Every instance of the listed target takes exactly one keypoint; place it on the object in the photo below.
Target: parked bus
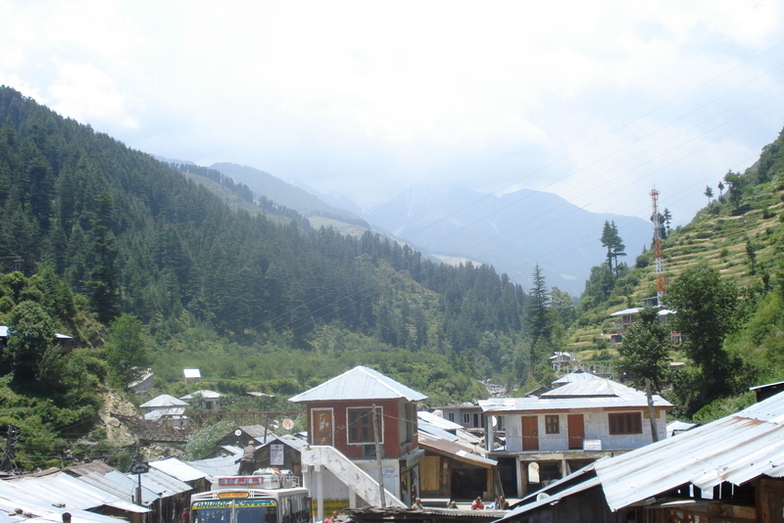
(268, 497)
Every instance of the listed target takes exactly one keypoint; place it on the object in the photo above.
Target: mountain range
(513, 232)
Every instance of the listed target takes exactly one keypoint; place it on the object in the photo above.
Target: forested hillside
(236, 294)
(725, 280)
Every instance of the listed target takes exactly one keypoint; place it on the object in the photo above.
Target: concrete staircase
(356, 479)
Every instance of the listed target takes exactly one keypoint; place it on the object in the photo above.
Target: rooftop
(359, 383)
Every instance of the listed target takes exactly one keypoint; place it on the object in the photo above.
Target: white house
(206, 399)
(568, 427)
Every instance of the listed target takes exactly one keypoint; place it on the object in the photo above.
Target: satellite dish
(287, 424)
(238, 433)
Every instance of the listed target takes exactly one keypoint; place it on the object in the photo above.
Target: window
(452, 417)
(466, 418)
(626, 423)
(551, 424)
(360, 424)
(410, 422)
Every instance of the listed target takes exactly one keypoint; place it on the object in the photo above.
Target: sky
(598, 102)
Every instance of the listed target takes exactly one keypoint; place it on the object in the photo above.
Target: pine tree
(105, 276)
(611, 239)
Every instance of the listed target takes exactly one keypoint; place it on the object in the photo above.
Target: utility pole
(651, 410)
(381, 492)
(8, 463)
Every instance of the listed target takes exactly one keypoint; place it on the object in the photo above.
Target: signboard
(592, 444)
(237, 481)
(140, 468)
(276, 455)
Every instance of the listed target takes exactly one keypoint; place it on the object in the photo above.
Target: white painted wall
(596, 427)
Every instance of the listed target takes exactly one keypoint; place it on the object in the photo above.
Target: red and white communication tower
(657, 248)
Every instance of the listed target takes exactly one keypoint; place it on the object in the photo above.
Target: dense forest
(96, 238)
(145, 266)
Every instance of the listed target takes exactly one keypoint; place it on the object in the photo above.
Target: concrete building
(343, 437)
(564, 429)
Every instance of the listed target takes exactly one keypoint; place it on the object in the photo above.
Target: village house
(204, 399)
(562, 361)
(65, 342)
(729, 470)
(343, 432)
(626, 317)
(583, 418)
(468, 415)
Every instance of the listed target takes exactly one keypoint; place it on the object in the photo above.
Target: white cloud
(362, 97)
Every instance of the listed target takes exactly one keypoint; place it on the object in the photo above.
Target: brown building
(340, 415)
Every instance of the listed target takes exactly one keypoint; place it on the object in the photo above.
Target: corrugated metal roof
(359, 383)
(98, 467)
(288, 440)
(203, 394)
(162, 483)
(59, 336)
(80, 516)
(532, 404)
(636, 310)
(178, 469)
(155, 415)
(737, 449)
(577, 375)
(120, 485)
(436, 431)
(254, 431)
(438, 421)
(222, 466)
(164, 400)
(590, 388)
(549, 499)
(455, 450)
(61, 488)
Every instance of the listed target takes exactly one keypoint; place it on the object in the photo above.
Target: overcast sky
(595, 101)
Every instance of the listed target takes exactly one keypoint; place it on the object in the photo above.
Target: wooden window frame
(624, 423)
(360, 425)
(552, 424)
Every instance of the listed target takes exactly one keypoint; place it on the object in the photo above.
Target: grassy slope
(720, 238)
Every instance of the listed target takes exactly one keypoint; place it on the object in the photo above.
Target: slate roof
(359, 383)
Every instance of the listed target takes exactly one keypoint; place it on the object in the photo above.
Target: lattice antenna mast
(657, 248)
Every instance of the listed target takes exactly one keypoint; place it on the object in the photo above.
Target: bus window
(256, 512)
(211, 515)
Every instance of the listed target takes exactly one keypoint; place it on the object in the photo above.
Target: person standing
(248, 460)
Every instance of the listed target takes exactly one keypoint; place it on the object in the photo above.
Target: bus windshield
(240, 511)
